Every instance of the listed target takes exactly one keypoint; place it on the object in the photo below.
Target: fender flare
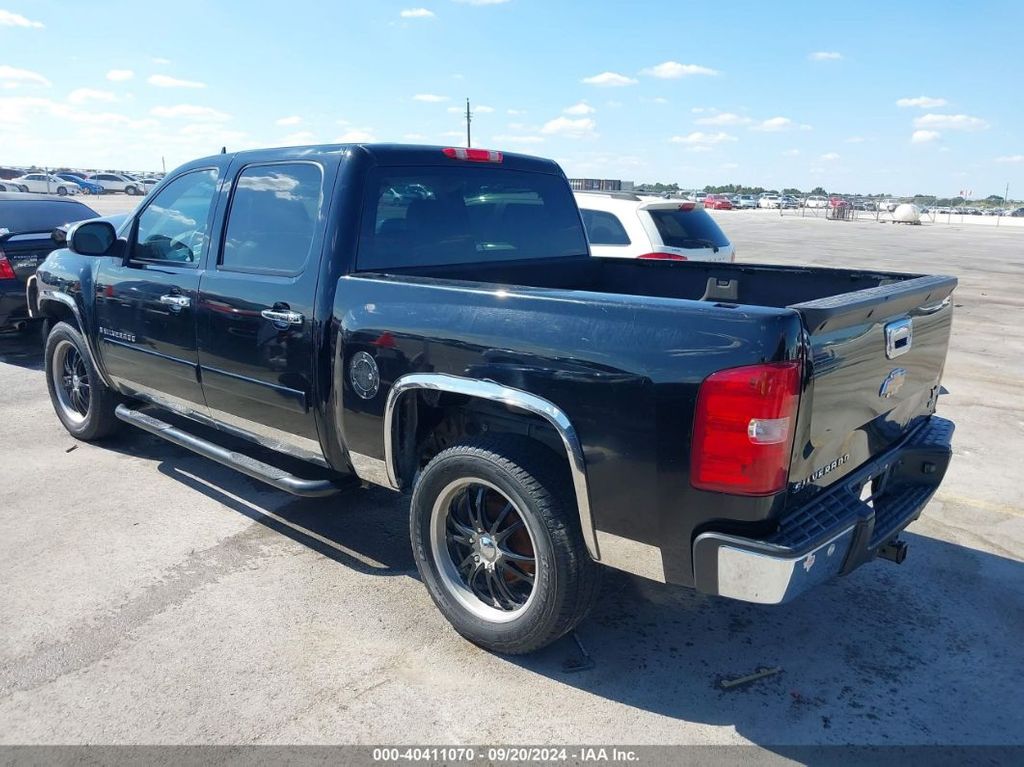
(61, 297)
(512, 397)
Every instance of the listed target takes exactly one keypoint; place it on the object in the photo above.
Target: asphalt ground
(150, 596)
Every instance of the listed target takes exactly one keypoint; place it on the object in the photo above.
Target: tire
(131, 190)
(62, 191)
(82, 401)
(527, 509)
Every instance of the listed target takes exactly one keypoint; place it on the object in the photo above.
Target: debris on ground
(761, 673)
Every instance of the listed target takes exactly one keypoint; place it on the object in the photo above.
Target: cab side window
(273, 218)
(175, 226)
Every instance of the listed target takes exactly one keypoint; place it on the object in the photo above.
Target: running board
(272, 475)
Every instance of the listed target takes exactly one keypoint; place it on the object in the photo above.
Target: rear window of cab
(435, 216)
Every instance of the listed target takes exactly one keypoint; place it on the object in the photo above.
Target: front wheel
(82, 401)
(62, 191)
(497, 542)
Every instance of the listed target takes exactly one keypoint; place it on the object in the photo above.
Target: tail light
(6, 270)
(473, 155)
(743, 431)
(663, 257)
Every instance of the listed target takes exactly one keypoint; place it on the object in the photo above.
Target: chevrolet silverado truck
(430, 320)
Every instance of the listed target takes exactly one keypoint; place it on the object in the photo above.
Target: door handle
(175, 301)
(282, 318)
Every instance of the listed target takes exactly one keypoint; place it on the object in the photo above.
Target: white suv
(622, 225)
(115, 182)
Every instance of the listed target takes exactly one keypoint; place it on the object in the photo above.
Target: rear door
(877, 358)
(146, 304)
(256, 302)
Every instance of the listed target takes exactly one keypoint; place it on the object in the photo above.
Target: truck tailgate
(876, 359)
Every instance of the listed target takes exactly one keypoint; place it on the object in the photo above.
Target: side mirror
(92, 238)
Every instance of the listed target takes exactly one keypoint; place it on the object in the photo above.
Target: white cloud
(1011, 158)
(775, 124)
(190, 112)
(925, 102)
(414, 137)
(12, 77)
(950, 122)
(160, 61)
(506, 139)
(515, 112)
(791, 153)
(297, 139)
(614, 104)
(730, 165)
(165, 81)
(430, 98)
(723, 118)
(9, 19)
(856, 140)
(609, 80)
(924, 136)
(830, 157)
(703, 139)
(417, 13)
(292, 120)
(483, 109)
(85, 95)
(673, 70)
(120, 75)
(582, 108)
(582, 127)
(356, 136)
(825, 56)
(481, 2)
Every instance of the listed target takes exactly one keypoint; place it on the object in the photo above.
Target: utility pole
(469, 119)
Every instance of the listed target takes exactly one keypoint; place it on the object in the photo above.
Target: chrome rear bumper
(833, 534)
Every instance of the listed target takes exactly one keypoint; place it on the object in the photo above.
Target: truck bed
(765, 285)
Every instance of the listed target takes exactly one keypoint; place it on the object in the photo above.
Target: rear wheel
(497, 542)
(82, 401)
(131, 190)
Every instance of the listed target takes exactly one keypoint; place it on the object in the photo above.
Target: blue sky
(869, 97)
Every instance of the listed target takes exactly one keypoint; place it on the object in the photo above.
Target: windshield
(435, 216)
(688, 229)
(41, 215)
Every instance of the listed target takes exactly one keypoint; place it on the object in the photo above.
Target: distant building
(600, 185)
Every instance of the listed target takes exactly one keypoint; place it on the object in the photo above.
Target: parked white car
(47, 183)
(115, 182)
(745, 201)
(769, 201)
(816, 201)
(148, 184)
(623, 225)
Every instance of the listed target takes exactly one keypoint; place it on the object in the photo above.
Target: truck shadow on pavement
(22, 349)
(926, 652)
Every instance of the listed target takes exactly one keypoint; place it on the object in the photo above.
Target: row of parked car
(64, 184)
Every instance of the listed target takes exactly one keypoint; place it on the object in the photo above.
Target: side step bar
(279, 478)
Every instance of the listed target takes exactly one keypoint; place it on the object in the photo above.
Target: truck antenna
(469, 119)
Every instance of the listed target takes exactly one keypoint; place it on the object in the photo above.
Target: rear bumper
(13, 304)
(833, 534)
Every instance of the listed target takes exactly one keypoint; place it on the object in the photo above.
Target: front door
(256, 301)
(146, 304)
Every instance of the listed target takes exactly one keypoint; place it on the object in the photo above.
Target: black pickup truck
(430, 320)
